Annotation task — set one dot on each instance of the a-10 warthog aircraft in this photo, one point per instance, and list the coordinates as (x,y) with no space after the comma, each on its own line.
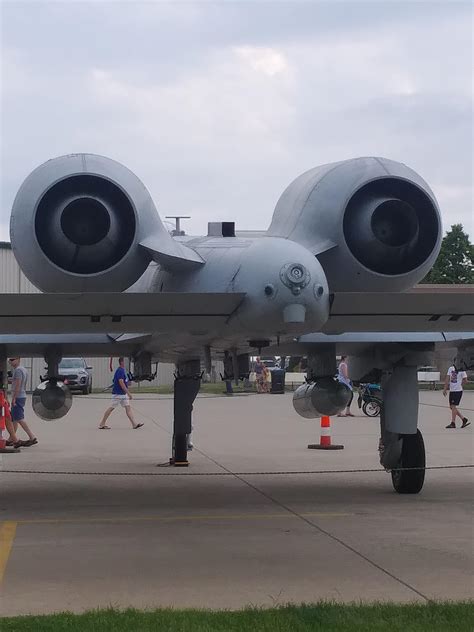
(346,244)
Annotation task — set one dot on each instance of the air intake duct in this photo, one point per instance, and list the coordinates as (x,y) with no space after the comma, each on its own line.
(390,226)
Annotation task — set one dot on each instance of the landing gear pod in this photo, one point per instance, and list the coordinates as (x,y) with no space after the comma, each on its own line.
(326,396)
(52,400)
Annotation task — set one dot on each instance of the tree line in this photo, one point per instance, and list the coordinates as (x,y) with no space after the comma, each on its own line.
(455,262)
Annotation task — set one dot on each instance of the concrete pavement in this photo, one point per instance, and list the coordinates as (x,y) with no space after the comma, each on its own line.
(82,541)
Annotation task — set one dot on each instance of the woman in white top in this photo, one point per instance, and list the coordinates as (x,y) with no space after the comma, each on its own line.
(454,382)
(343,377)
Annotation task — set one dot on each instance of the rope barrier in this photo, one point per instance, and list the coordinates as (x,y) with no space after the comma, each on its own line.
(230,473)
(166,396)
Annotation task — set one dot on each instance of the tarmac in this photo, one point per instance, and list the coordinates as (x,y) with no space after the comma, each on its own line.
(226,532)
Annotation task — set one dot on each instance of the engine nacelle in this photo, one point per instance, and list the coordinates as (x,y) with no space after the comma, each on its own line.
(78,222)
(373,223)
(326,396)
(52,400)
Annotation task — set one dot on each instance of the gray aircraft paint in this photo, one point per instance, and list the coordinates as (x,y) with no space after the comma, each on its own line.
(313,210)
(150,239)
(84,223)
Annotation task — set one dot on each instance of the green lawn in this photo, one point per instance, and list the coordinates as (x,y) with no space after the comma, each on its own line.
(323,617)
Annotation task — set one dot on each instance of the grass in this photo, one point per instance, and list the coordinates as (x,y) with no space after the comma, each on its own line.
(321,617)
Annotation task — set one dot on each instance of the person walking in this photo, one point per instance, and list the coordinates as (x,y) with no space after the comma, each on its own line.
(121,396)
(13,441)
(343,378)
(260,376)
(454,383)
(228,373)
(17,408)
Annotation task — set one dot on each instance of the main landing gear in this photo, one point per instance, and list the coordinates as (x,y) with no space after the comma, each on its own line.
(401,444)
(412,456)
(187,383)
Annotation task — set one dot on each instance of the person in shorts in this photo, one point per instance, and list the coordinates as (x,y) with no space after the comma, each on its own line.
(454,384)
(121,396)
(13,441)
(261,376)
(17,408)
(343,378)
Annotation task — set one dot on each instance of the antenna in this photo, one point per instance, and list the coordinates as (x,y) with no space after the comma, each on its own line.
(177,232)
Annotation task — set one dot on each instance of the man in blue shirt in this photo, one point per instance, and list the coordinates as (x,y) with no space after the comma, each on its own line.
(121,396)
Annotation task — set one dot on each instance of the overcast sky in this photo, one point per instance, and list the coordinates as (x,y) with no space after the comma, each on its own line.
(217,106)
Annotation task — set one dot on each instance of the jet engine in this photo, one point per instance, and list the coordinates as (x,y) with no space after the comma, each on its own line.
(86,223)
(373,223)
(325,396)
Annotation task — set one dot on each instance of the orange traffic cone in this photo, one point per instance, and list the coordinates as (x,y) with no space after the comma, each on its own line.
(325,440)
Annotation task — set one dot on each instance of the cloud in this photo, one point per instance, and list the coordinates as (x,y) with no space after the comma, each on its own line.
(266,60)
(217,107)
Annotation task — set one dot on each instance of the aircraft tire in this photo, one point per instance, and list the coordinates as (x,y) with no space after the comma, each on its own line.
(413,455)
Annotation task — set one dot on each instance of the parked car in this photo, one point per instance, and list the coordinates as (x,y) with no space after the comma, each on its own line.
(77,375)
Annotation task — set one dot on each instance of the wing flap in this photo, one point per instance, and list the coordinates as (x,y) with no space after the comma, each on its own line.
(426,310)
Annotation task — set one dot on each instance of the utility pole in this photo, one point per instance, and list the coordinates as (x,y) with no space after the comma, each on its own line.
(177,232)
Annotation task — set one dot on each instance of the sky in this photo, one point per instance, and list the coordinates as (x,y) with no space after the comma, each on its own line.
(218,106)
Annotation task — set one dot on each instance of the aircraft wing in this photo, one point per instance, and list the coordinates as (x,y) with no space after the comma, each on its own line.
(109,313)
(354,343)
(425,308)
(381,337)
(90,345)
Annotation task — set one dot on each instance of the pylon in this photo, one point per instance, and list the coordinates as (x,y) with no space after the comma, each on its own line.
(325,440)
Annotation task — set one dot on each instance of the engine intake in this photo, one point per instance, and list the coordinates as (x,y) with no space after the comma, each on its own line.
(85,224)
(390,226)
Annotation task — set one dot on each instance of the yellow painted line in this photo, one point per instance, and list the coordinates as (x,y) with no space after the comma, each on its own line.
(7,535)
(181,518)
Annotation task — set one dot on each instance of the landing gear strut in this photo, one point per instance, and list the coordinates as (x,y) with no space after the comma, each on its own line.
(187,383)
(402,443)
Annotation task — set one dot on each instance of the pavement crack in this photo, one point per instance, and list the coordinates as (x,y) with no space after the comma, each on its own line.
(318,528)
